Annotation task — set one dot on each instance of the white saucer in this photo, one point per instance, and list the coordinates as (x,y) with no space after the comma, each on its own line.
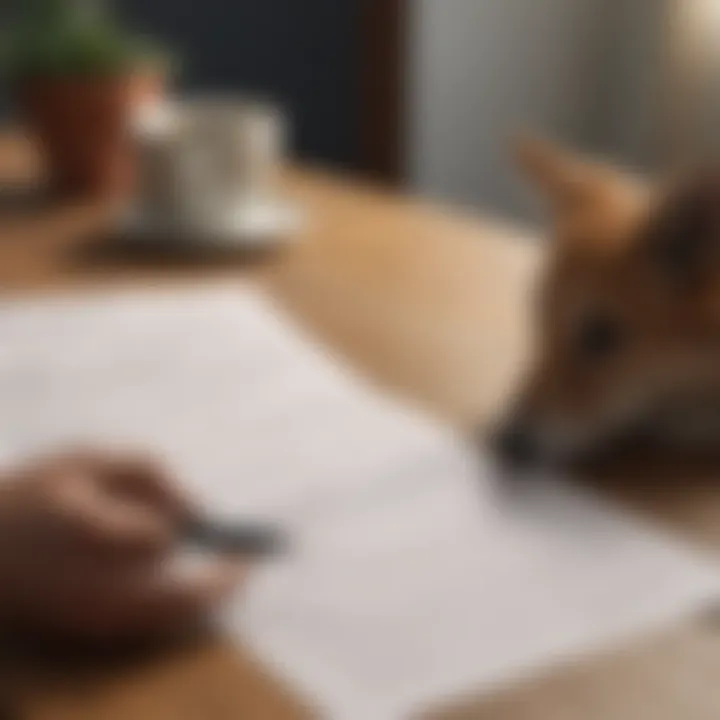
(249,224)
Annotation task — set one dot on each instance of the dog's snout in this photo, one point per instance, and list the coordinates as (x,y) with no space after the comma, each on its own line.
(517,446)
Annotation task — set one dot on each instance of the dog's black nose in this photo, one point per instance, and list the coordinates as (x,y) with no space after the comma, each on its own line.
(517,446)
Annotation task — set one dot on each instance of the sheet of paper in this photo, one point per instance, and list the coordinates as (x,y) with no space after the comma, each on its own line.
(255,418)
(415,574)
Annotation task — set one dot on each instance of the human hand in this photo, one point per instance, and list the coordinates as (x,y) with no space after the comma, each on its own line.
(84,542)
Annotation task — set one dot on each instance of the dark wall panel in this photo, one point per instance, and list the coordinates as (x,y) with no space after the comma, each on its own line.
(303,53)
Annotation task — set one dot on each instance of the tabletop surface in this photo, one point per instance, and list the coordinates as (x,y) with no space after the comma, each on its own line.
(429,302)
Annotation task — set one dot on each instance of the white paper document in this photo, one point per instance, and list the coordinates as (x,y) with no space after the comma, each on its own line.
(414,575)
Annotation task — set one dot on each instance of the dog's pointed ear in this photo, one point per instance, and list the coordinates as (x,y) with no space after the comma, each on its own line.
(568,178)
(558,173)
(592,203)
(683,235)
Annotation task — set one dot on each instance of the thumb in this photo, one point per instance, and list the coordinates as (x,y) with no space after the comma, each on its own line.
(164,602)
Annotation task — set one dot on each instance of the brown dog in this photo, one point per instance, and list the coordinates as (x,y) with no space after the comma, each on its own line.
(629,312)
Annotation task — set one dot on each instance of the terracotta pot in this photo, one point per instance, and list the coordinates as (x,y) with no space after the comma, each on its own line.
(81,126)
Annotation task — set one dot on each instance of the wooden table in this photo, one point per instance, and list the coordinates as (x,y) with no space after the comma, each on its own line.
(431,305)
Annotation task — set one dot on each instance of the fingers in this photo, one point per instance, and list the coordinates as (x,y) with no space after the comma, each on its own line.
(137,476)
(126,501)
(119,524)
(127,474)
(147,480)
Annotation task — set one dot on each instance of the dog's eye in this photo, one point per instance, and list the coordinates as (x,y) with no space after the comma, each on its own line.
(599,337)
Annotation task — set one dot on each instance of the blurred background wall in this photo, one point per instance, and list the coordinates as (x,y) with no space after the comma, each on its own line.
(633,101)
(590,72)
(582,71)
(304,54)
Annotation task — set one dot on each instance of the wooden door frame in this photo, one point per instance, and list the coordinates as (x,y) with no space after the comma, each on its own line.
(385,34)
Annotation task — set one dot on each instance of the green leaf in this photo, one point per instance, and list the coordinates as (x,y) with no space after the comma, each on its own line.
(69,38)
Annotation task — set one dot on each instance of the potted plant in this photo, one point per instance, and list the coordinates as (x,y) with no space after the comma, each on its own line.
(77,77)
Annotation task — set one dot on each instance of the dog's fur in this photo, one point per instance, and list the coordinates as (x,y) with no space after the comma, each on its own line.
(628,311)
